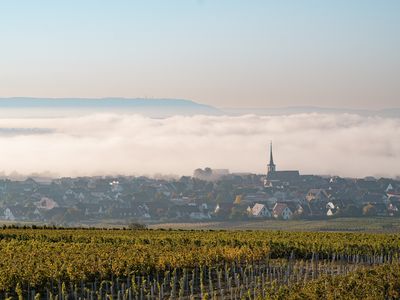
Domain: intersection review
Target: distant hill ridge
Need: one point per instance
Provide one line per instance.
(292, 110)
(153, 107)
(95, 102)
(164, 107)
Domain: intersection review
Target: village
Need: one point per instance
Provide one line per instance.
(207, 195)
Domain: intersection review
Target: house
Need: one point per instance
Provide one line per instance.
(393, 195)
(46, 203)
(295, 207)
(223, 209)
(202, 213)
(16, 212)
(115, 186)
(282, 211)
(142, 211)
(331, 209)
(330, 212)
(8, 214)
(260, 210)
(393, 209)
(36, 215)
(317, 195)
(389, 188)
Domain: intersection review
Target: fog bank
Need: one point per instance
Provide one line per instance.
(103, 144)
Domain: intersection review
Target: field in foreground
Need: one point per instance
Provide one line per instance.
(371, 224)
(176, 264)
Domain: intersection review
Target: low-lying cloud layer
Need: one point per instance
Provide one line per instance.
(103, 144)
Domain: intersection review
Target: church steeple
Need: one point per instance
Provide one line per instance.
(271, 165)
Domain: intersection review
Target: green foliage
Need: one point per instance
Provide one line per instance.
(136, 226)
(32, 258)
(18, 291)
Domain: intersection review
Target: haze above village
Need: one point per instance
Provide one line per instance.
(69, 137)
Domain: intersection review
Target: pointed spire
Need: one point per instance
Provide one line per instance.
(271, 165)
(271, 158)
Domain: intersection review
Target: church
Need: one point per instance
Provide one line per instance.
(281, 176)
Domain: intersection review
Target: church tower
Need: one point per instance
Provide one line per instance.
(271, 165)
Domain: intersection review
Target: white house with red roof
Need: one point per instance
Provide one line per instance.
(282, 211)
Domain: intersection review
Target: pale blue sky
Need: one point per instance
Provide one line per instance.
(225, 53)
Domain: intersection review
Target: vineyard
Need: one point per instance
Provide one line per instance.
(45, 263)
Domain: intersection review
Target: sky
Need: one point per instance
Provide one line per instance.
(226, 53)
